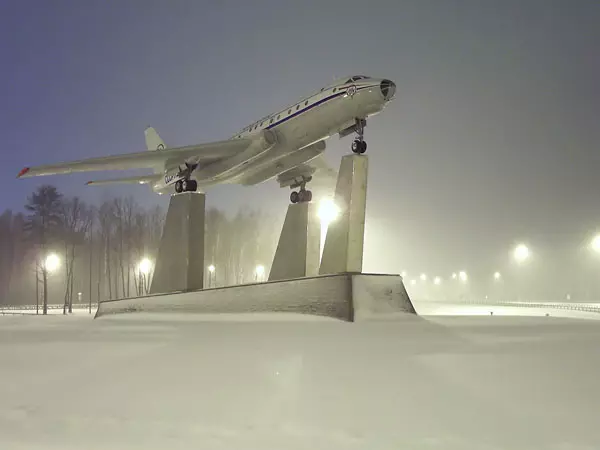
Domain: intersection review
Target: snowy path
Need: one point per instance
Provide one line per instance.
(419, 383)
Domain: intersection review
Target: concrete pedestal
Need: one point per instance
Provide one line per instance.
(343, 249)
(180, 261)
(297, 252)
(349, 297)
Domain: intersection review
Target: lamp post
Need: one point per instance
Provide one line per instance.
(50, 265)
(144, 268)
(259, 272)
(211, 272)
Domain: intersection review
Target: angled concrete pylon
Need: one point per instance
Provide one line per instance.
(180, 262)
(343, 249)
(297, 253)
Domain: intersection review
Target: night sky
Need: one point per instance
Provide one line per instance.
(493, 136)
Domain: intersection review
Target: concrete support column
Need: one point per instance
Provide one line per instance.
(180, 261)
(297, 252)
(343, 249)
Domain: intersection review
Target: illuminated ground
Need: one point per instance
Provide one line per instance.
(260, 383)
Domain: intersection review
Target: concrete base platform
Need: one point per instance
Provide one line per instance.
(349, 297)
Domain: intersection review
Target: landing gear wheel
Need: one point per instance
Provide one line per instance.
(307, 196)
(192, 185)
(178, 187)
(359, 146)
(363, 146)
(294, 197)
(185, 185)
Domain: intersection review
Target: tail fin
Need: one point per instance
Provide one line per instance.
(153, 140)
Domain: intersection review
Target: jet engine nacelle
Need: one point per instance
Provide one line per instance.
(268, 139)
(285, 164)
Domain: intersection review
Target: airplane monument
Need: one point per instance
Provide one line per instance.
(286, 146)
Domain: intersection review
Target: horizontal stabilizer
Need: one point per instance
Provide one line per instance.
(142, 179)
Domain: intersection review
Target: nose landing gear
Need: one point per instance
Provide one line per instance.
(359, 145)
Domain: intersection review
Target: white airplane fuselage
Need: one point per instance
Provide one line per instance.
(289, 137)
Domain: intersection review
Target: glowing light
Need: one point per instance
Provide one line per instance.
(595, 244)
(454, 276)
(144, 266)
(463, 276)
(521, 253)
(52, 262)
(260, 270)
(497, 276)
(328, 211)
(437, 281)
(413, 282)
(423, 277)
(403, 274)
(211, 268)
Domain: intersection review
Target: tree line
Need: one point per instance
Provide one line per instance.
(61, 250)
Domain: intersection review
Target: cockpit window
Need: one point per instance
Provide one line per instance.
(356, 78)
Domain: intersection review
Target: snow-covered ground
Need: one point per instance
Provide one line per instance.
(480, 382)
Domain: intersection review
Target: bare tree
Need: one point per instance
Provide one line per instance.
(105, 215)
(42, 226)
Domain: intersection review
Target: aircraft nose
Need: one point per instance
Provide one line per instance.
(388, 89)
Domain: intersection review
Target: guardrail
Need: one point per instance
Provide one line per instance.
(584, 307)
(31, 309)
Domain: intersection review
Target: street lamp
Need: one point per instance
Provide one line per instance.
(211, 274)
(259, 272)
(144, 266)
(595, 244)
(521, 253)
(497, 276)
(52, 263)
(463, 276)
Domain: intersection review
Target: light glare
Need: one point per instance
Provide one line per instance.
(463, 276)
(52, 262)
(595, 244)
(497, 276)
(328, 211)
(521, 253)
(145, 266)
(437, 281)
(211, 268)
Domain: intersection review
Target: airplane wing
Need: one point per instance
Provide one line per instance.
(322, 174)
(156, 159)
(142, 179)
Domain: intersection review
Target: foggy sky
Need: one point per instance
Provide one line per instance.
(492, 138)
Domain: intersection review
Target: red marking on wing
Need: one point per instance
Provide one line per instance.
(23, 171)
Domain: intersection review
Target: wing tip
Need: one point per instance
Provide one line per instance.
(89, 182)
(23, 171)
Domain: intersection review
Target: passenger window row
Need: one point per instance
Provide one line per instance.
(257, 125)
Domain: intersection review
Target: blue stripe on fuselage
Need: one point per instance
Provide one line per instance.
(320, 102)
